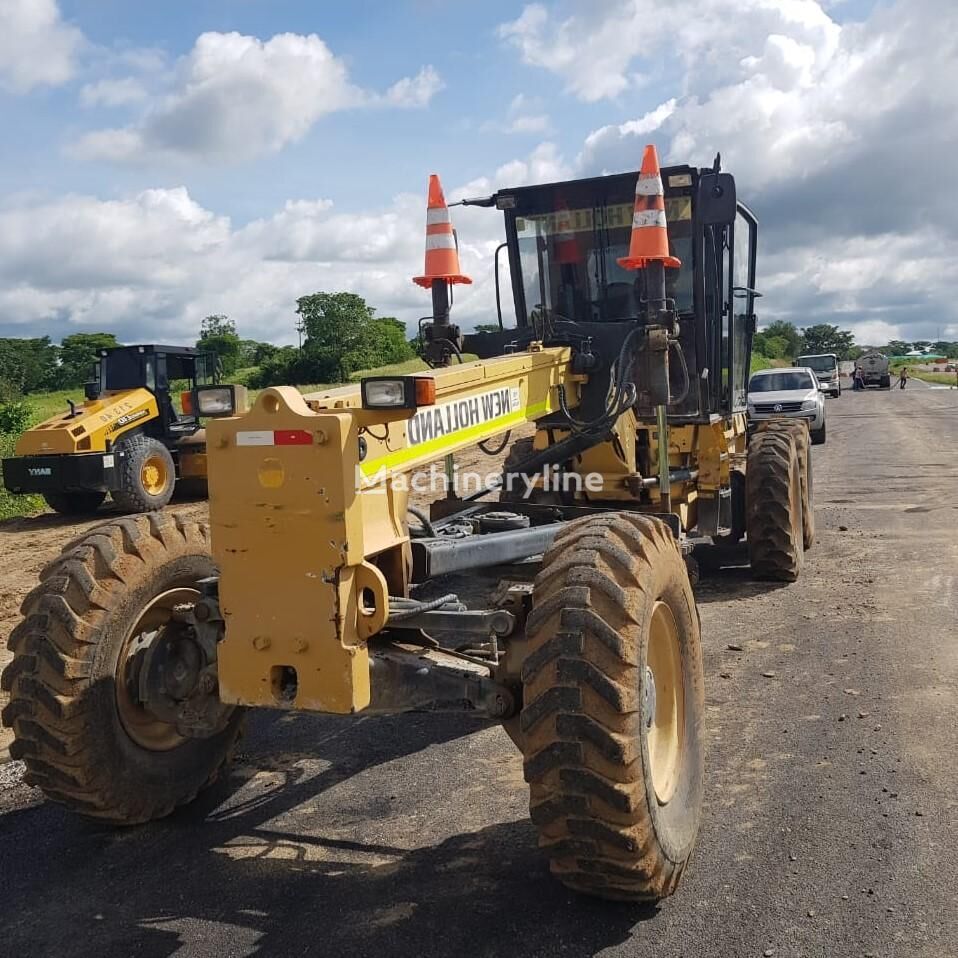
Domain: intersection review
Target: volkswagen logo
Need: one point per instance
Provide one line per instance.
(777, 407)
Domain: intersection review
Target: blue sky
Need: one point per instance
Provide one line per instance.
(343, 157)
(178, 158)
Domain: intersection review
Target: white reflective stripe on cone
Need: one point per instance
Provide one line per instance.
(648, 218)
(445, 240)
(434, 217)
(649, 186)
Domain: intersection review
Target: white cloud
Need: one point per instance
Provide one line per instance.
(235, 97)
(109, 92)
(153, 264)
(37, 48)
(594, 48)
(415, 91)
(836, 134)
(524, 115)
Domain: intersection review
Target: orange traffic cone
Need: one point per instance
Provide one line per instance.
(650, 238)
(442, 257)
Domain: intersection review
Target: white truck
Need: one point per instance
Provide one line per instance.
(825, 367)
(874, 367)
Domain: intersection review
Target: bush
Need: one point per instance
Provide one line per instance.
(277, 370)
(12, 505)
(15, 415)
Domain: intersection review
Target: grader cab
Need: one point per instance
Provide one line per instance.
(633, 294)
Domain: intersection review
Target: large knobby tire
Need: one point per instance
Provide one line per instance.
(76, 503)
(615, 783)
(803, 442)
(147, 475)
(84, 740)
(776, 529)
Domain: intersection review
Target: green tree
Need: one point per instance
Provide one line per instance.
(789, 333)
(382, 342)
(343, 335)
(825, 338)
(897, 347)
(254, 353)
(334, 324)
(218, 336)
(279, 369)
(28, 365)
(79, 354)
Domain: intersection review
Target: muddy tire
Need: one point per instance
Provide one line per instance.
(77, 503)
(803, 442)
(85, 743)
(615, 781)
(774, 499)
(146, 473)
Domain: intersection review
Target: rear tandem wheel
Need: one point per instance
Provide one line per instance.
(774, 494)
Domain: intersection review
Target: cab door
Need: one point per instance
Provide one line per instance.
(740, 304)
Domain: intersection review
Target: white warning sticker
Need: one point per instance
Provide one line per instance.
(255, 437)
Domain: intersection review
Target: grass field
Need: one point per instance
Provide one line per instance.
(940, 379)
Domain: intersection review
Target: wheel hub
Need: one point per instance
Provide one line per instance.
(141, 724)
(664, 702)
(649, 697)
(153, 475)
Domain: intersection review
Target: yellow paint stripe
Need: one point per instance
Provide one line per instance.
(453, 440)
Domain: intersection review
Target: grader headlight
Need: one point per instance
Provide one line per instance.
(398, 392)
(214, 401)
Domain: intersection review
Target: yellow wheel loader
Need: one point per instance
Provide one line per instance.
(134, 437)
(313, 590)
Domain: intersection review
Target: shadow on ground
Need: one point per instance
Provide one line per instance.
(222, 877)
(725, 574)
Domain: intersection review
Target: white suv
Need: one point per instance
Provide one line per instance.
(793, 393)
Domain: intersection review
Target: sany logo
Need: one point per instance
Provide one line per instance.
(40, 470)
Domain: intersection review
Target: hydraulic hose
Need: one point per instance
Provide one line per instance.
(424, 521)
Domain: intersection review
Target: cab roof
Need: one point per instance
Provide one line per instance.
(153, 348)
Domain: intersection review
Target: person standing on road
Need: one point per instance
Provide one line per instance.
(857, 381)
(903, 377)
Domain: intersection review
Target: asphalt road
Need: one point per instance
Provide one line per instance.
(832, 800)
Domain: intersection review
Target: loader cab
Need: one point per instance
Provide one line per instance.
(564, 240)
(171, 373)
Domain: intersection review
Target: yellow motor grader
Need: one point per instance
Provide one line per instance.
(313, 590)
(127, 439)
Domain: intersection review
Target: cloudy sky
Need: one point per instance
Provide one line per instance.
(163, 161)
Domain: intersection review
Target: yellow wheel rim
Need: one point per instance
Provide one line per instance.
(141, 725)
(154, 475)
(664, 696)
